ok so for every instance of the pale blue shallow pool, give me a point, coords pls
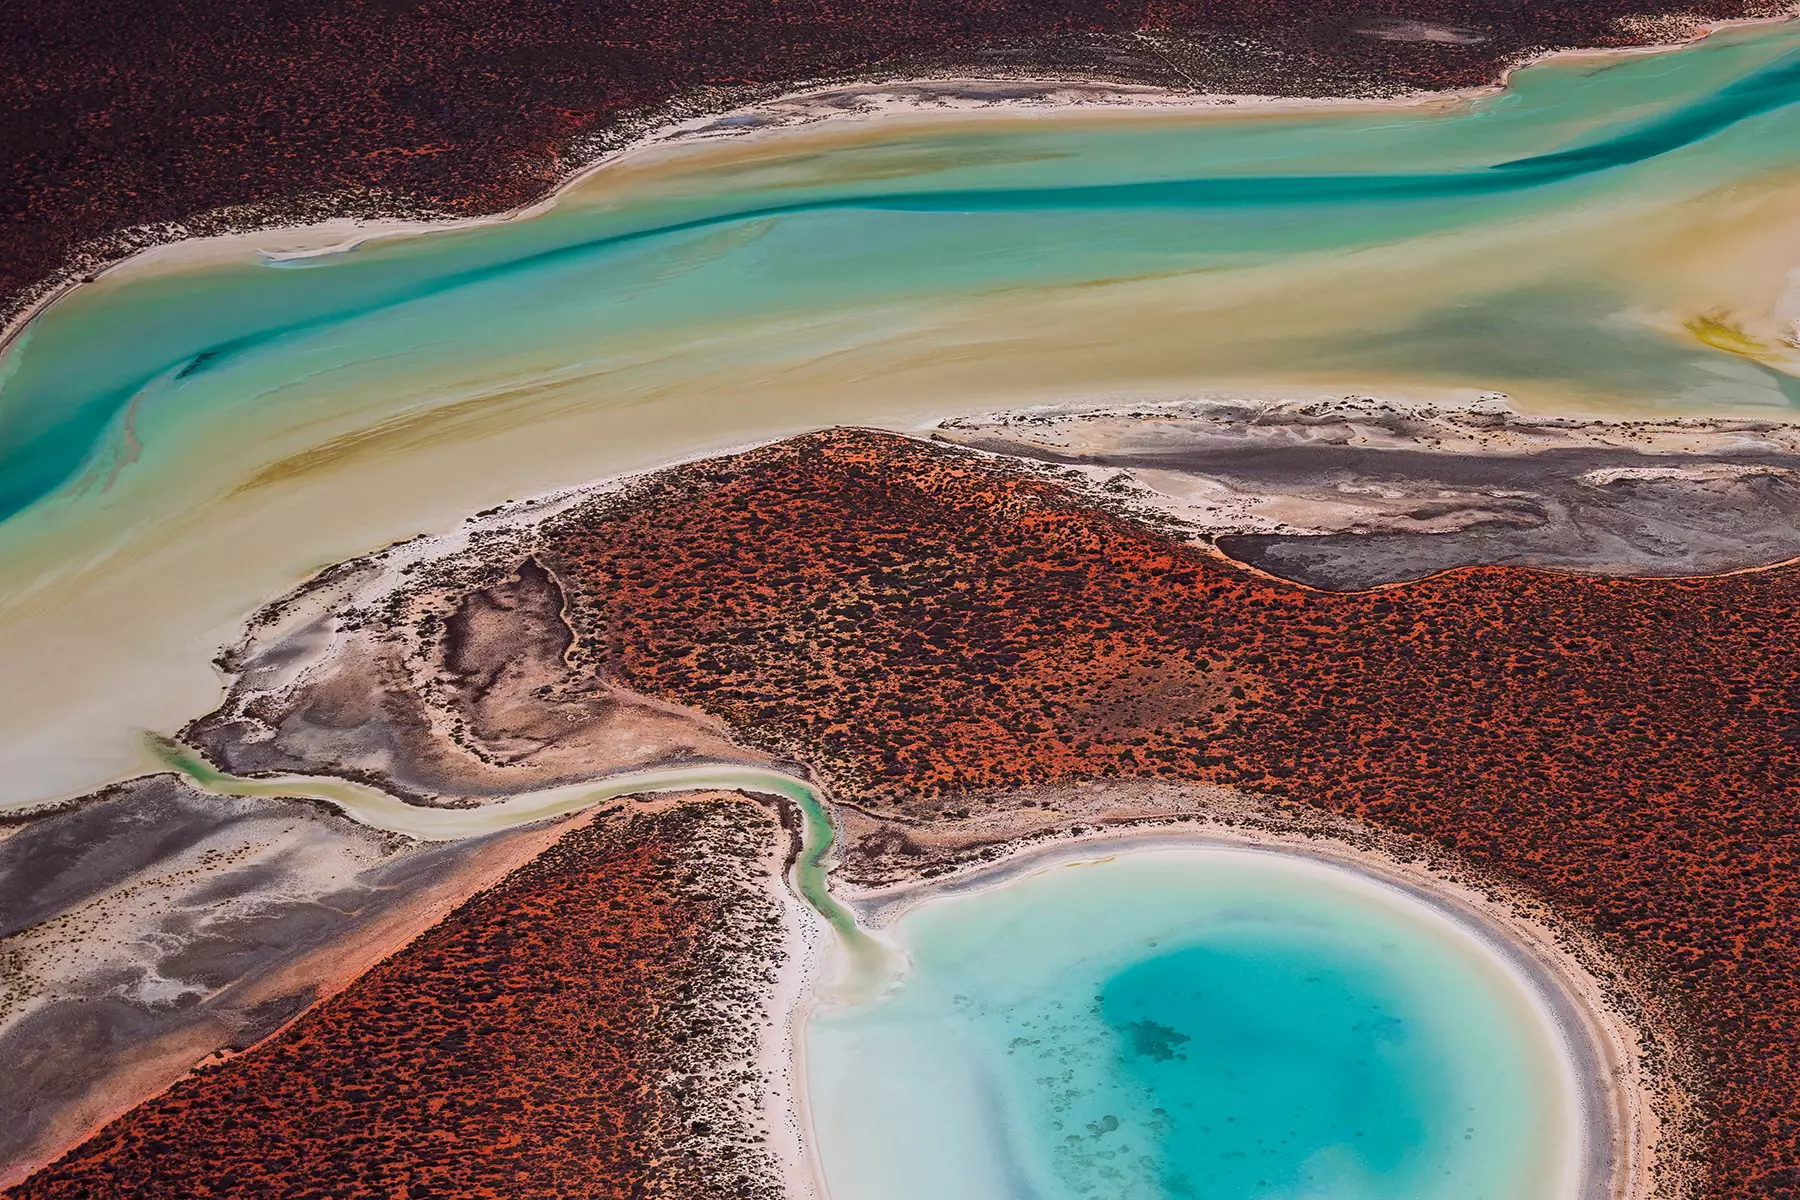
(1193, 1023)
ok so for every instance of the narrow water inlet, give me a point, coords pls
(870, 962)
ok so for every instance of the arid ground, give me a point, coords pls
(964, 648)
(124, 124)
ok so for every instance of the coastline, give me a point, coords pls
(808, 949)
(1537, 946)
(879, 100)
(1626, 1151)
(500, 526)
(210, 545)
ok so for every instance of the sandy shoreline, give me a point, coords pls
(1625, 1152)
(807, 963)
(924, 99)
(147, 583)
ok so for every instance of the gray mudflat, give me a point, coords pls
(1390, 514)
(471, 699)
(1540, 512)
(154, 912)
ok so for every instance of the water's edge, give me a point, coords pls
(1618, 1096)
(377, 809)
(1611, 1167)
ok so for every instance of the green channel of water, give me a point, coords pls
(371, 806)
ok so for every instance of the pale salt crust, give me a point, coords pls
(1483, 423)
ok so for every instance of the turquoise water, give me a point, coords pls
(781, 243)
(191, 435)
(1191, 1023)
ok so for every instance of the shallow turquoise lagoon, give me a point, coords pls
(1192, 1023)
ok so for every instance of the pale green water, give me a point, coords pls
(954, 213)
(180, 443)
(1184, 1023)
(868, 960)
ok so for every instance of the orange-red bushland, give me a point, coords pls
(920, 623)
(578, 1030)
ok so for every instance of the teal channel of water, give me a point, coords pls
(1175, 1024)
(921, 217)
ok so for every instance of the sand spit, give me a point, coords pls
(1347, 493)
(465, 636)
(809, 959)
(1626, 1153)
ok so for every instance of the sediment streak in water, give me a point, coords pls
(189, 436)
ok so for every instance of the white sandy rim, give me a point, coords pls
(885, 104)
(1601, 1053)
(807, 958)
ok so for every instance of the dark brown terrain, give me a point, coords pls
(117, 117)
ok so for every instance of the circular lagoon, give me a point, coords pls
(1202, 1022)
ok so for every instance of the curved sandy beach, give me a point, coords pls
(1624, 1151)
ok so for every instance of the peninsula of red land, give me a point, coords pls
(923, 625)
(932, 631)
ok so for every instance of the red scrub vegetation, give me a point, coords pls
(579, 1030)
(923, 626)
